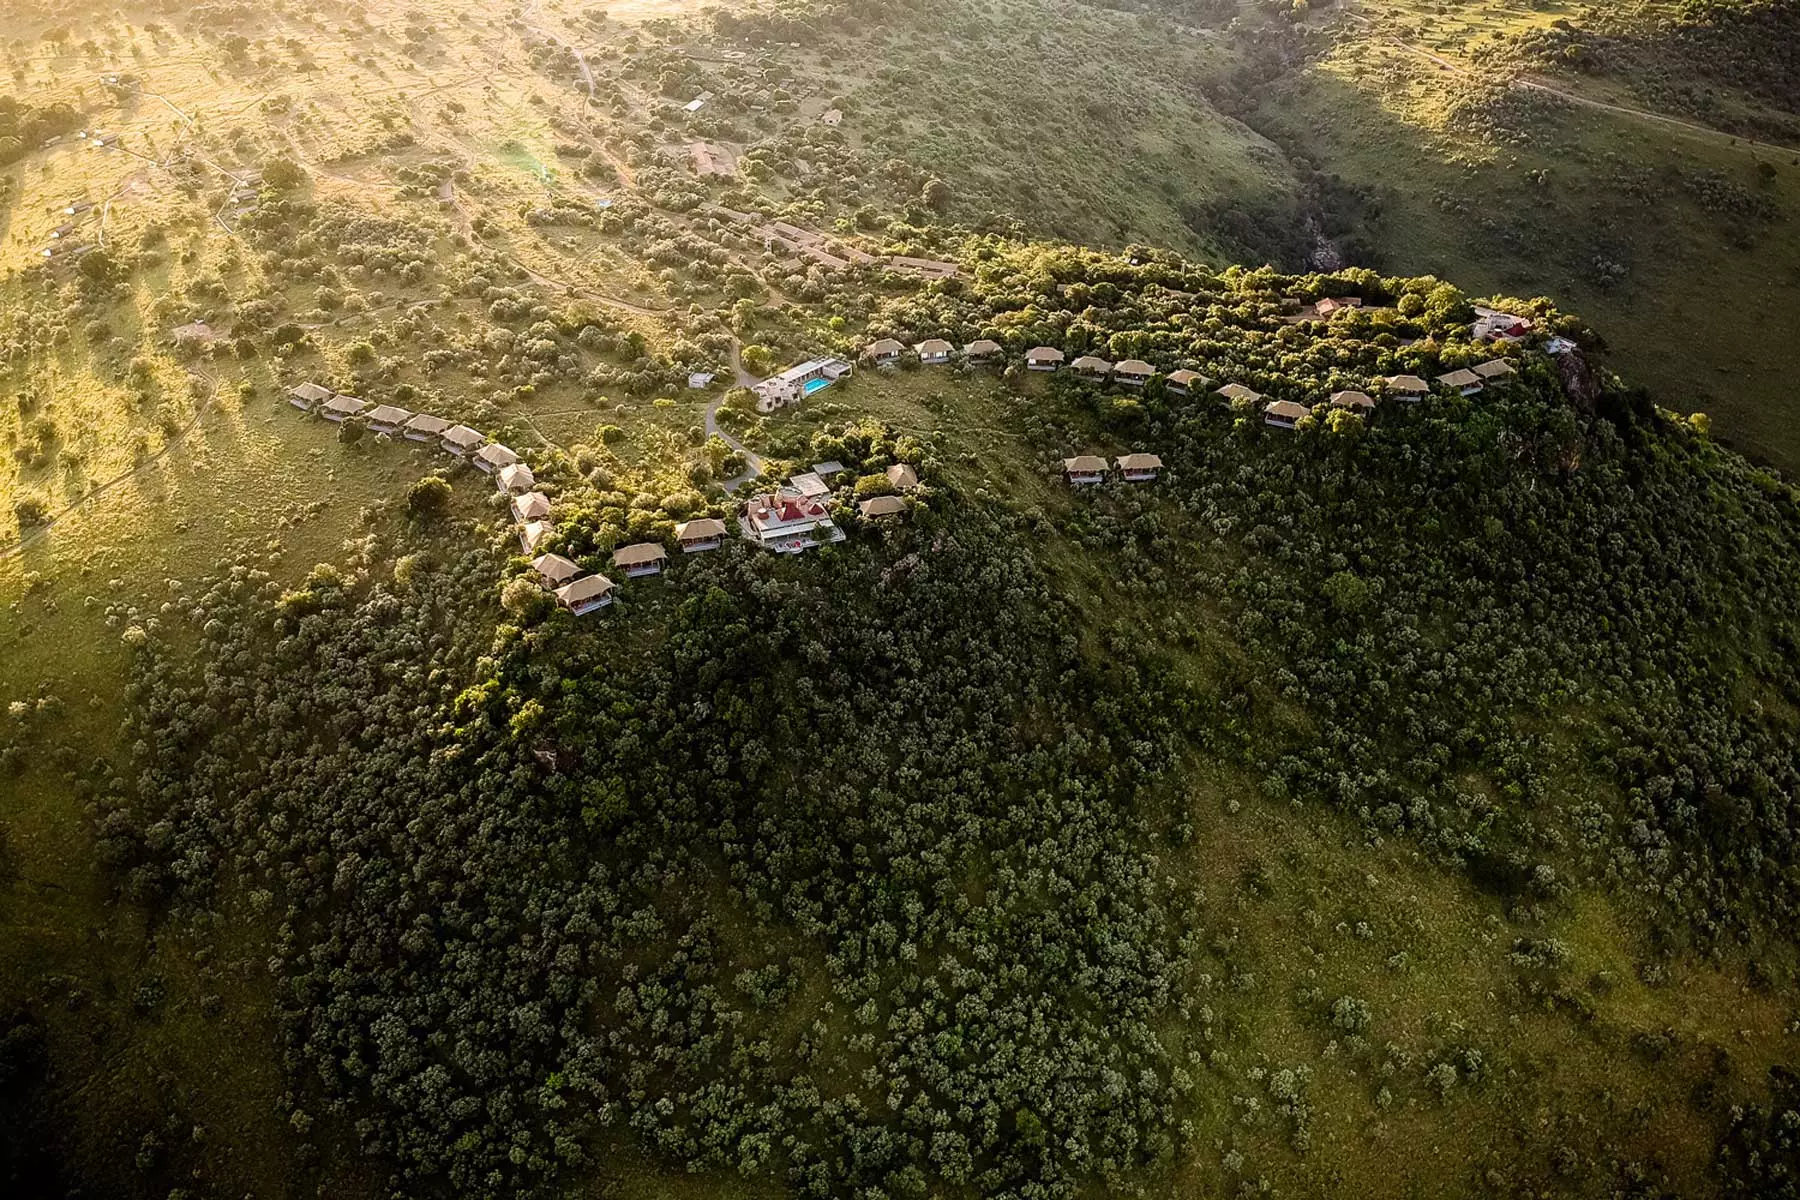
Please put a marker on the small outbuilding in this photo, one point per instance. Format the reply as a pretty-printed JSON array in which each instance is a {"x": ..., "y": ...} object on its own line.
[
  {"x": 554, "y": 569},
  {"x": 515, "y": 479},
  {"x": 1184, "y": 381},
  {"x": 1360, "y": 401},
  {"x": 425, "y": 428},
  {"x": 342, "y": 408},
  {"x": 1139, "y": 468},
  {"x": 1494, "y": 370},
  {"x": 1091, "y": 366},
  {"x": 810, "y": 485},
  {"x": 1084, "y": 469},
  {"x": 1043, "y": 358},
  {"x": 1332, "y": 305},
  {"x": 902, "y": 477},
  {"x": 1466, "y": 382},
  {"x": 586, "y": 594},
  {"x": 934, "y": 352},
  {"x": 1133, "y": 372},
  {"x": 493, "y": 457},
  {"x": 461, "y": 441},
  {"x": 388, "y": 418},
  {"x": 193, "y": 334},
  {"x": 308, "y": 396},
  {"x": 705, "y": 533},
  {"x": 1409, "y": 388},
  {"x": 982, "y": 350},
  {"x": 887, "y": 350},
  {"x": 643, "y": 558},
  {"x": 1284, "y": 414},
  {"x": 878, "y": 507},
  {"x": 532, "y": 506},
  {"x": 1237, "y": 391},
  {"x": 533, "y": 535}
]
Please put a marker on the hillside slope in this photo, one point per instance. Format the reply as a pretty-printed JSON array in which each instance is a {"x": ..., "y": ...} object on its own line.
[{"x": 1396, "y": 804}]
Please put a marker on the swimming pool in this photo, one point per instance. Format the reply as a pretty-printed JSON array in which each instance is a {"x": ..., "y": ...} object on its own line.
[{"x": 813, "y": 385}]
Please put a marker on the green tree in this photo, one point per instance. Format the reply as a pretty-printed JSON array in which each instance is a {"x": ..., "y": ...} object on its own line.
[{"x": 429, "y": 498}]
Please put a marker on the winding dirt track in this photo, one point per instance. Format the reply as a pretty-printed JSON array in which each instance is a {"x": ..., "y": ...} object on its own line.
[
  {"x": 753, "y": 463},
  {"x": 1575, "y": 98}
]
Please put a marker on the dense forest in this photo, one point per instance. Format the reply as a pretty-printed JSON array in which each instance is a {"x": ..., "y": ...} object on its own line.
[{"x": 530, "y": 881}]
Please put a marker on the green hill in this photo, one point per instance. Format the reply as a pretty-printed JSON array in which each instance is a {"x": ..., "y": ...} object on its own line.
[{"x": 1397, "y": 803}]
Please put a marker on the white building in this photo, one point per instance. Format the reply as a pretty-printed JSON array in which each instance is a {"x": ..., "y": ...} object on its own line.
[
  {"x": 797, "y": 383},
  {"x": 787, "y": 522}
]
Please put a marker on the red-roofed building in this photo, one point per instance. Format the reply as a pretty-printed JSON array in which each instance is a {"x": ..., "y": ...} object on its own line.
[{"x": 788, "y": 522}]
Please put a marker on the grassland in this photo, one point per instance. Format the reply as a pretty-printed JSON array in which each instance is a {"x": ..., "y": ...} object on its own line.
[{"x": 203, "y": 462}]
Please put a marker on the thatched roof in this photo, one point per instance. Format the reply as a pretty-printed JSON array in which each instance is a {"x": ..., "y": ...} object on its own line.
[
  {"x": 388, "y": 414},
  {"x": 555, "y": 568},
  {"x": 588, "y": 587},
  {"x": 700, "y": 529},
  {"x": 312, "y": 393},
  {"x": 532, "y": 506},
  {"x": 518, "y": 475},
  {"x": 348, "y": 406},
  {"x": 639, "y": 554}
]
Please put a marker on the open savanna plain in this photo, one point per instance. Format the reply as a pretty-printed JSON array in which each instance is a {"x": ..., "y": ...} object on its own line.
[{"x": 505, "y": 214}]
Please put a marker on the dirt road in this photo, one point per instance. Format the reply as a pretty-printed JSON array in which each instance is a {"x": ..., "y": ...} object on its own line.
[{"x": 1575, "y": 98}]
